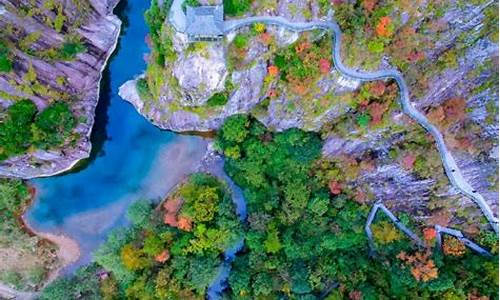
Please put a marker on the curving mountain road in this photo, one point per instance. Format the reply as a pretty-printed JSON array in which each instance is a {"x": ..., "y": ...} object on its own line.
[{"x": 451, "y": 168}]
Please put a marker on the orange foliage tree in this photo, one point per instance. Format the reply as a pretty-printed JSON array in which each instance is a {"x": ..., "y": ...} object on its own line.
[
  {"x": 453, "y": 247},
  {"x": 421, "y": 267},
  {"x": 429, "y": 233},
  {"x": 384, "y": 27},
  {"x": 273, "y": 70},
  {"x": 185, "y": 223}
]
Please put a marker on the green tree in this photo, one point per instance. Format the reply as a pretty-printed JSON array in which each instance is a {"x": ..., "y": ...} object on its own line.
[
  {"x": 235, "y": 128},
  {"x": 139, "y": 212},
  {"x": 5, "y": 61},
  {"x": 53, "y": 125},
  {"x": 272, "y": 242},
  {"x": 15, "y": 133},
  {"x": 236, "y": 7}
]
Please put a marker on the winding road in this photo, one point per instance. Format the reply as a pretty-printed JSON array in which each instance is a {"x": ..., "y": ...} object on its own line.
[{"x": 451, "y": 168}]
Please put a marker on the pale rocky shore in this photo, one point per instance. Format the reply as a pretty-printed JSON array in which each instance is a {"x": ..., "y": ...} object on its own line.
[{"x": 82, "y": 75}]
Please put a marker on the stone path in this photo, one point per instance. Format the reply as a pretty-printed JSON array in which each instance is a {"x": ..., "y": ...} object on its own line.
[
  {"x": 451, "y": 168},
  {"x": 440, "y": 230}
]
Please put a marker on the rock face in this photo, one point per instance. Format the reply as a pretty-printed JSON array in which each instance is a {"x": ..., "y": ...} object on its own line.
[
  {"x": 200, "y": 75},
  {"x": 78, "y": 79},
  {"x": 388, "y": 180}
]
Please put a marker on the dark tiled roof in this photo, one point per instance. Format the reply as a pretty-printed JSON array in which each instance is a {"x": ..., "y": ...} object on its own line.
[{"x": 205, "y": 20}]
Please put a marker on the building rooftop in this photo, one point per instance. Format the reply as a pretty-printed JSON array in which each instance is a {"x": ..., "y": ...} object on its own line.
[{"x": 205, "y": 21}]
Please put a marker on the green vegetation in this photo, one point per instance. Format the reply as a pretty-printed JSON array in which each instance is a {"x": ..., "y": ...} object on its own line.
[
  {"x": 218, "y": 99},
  {"x": 22, "y": 128},
  {"x": 83, "y": 285},
  {"x": 173, "y": 252},
  {"x": 192, "y": 3},
  {"x": 241, "y": 41},
  {"x": 70, "y": 49},
  {"x": 236, "y": 7},
  {"x": 162, "y": 44},
  {"x": 143, "y": 89},
  {"x": 53, "y": 125},
  {"x": 303, "y": 239},
  {"x": 26, "y": 260},
  {"x": 302, "y": 63},
  {"x": 5, "y": 60}
]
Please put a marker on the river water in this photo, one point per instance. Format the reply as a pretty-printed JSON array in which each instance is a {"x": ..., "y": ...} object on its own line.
[{"x": 130, "y": 158}]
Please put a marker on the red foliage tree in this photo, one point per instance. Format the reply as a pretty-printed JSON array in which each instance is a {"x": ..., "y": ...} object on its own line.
[
  {"x": 377, "y": 88},
  {"x": 369, "y": 5},
  {"x": 170, "y": 219},
  {"x": 265, "y": 38},
  {"x": 355, "y": 295},
  {"x": 163, "y": 256},
  {"x": 335, "y": 187},
  {"x": 415, "y": 56},
  {"x": 301, "y": 47},
  {"x": 324, "y": 66},
  {"x": 409, "y": 160},
  {"x": 377, "y": 111},
  {"x": 172, "y": 205},
  {"x": 360, "y": 196}
]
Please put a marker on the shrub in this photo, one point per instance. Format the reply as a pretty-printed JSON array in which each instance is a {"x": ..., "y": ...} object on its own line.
[
  {"x": 5, "y": 63},
  {"x": 218, "y": 99},
  {"x": 241, "y": 41},
  {"x": 70, "y": 49},
  {"x": 236, "y": 7},
  {"x": 376, "y": 46},
  {"x": 143, "y": 89},
  {"x": 15, "y": 134},
  {"x": 53, "y": 124}
]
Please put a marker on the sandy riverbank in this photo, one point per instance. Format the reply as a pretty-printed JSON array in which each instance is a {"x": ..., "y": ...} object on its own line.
[{"x": 68, "y": 250}]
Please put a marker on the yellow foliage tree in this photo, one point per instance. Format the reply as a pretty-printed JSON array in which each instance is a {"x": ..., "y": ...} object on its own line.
[
  {"x": 132, "y": 257},
  {"x": 259, "y": 27},
  {"x": 385, "y": 233}
]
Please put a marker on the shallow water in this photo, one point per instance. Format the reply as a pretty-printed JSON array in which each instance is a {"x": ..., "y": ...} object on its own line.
[{"x": 130, "y": 159}]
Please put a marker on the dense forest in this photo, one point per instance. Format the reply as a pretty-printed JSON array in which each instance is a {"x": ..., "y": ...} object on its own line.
[
  {"x": 304, "y": 237},
  {"x": 24, "y": 128},
  {"x": 171, "y": 252}
]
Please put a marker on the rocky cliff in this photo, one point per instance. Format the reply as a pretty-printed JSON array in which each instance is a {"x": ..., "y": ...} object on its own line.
[
  {"x": 446, "y": 52},
  {"x": 40, "y": 35}
]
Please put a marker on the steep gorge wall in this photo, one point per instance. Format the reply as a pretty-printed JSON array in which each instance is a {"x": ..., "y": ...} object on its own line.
[{"x": 30, "y": 31}]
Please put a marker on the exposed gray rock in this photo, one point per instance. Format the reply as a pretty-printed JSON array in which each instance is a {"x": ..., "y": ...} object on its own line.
[
  {"x": 201, "y": 74},
  {"x": 99, "y": 34}
]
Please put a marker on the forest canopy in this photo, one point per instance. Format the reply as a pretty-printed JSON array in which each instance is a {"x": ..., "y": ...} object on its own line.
[
  {"x": 23, "y": 127},
  {"x": 304, "y": 236}
]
